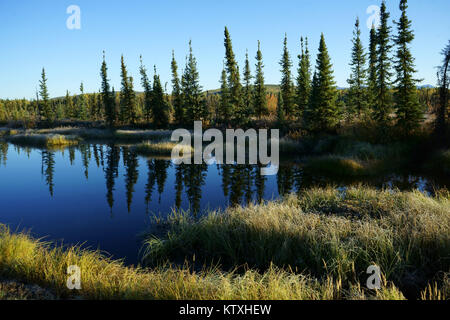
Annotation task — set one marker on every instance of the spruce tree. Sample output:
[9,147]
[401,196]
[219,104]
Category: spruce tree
[192,91]
[444,84]
[357,95]
[247,88]
[225,111]
[383,106]
[44,105]
[286,87]
[323,112]
[259,89]
[107,98]
[177,98]
[408,111]
[128,110]
[280,111]
[145,82]
[233,79]
[372,77]
[304,78]
[83,111]
[160,107]
[70,107]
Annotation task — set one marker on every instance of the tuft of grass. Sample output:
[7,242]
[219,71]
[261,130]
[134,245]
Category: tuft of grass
[44,140]
[324,233]
[149,148]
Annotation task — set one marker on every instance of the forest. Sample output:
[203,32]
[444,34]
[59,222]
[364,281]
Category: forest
[383,93]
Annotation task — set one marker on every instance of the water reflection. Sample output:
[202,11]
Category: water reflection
[240,184]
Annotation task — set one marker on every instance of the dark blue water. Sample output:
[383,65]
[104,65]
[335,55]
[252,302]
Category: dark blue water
[104,196]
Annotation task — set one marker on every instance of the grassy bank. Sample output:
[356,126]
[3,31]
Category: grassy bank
[324,233]
[33,261]
[317,246]
[36,136]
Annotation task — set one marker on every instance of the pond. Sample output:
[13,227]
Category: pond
[104,195]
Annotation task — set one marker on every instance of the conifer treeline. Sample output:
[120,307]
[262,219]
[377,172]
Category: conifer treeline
[382,87]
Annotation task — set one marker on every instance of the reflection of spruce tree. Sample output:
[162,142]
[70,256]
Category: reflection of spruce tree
[130,161]
[178,184]
[111,172]
[248,183]
[102,156]
[71,155]
[96,155]
[157,174]
[151,180]
[3,152]
[237,184]
[260,184]
[194,179]
[161,175]
[226,178]
[284,180]
[85,151]
[48,169]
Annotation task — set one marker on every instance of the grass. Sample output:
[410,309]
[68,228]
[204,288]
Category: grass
[34,261]
[44,140]
[149,148]
[325,234]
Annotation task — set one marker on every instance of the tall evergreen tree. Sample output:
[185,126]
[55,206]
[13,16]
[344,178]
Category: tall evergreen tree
[323,112]
[233,79]
[225,104]
[286,87]
[70,107]
[192,91]
[128,110]
[304,78]
[160,107]
[357,96]
[408,110]
[83,108]
[259,89]
[247,88]
[145,82]
[107,97]
[177,98]
[280,110]
[45,107]
[383,106]
[444,84]
[372,77]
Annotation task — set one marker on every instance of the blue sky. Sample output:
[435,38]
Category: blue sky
[33,34]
